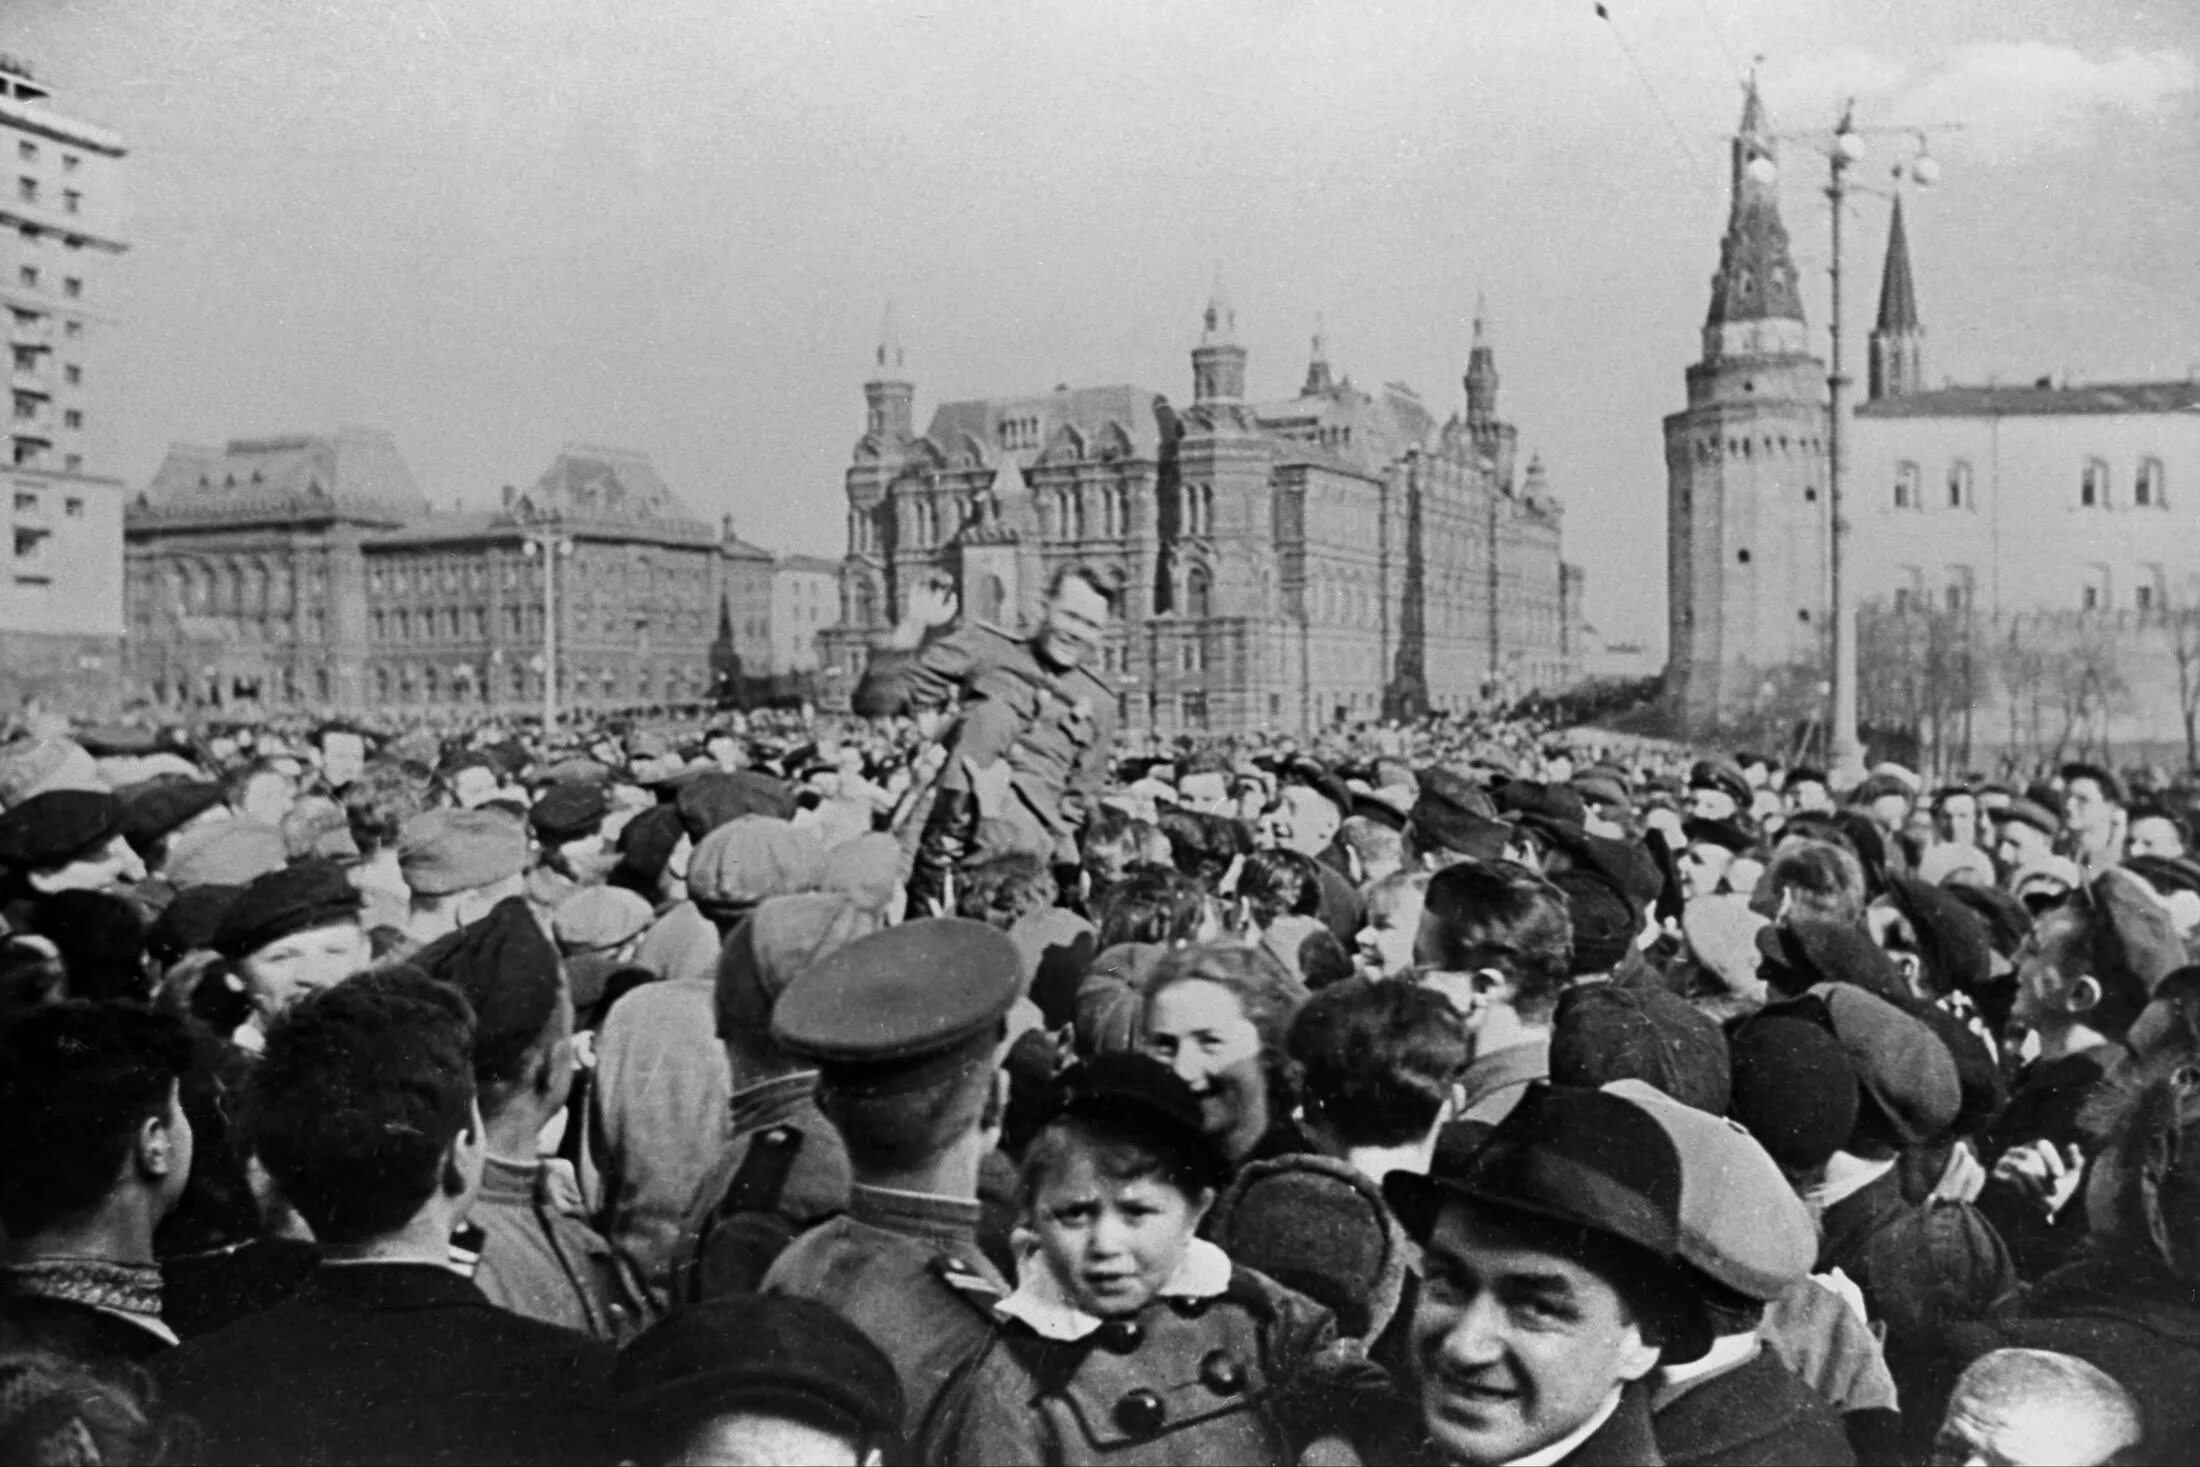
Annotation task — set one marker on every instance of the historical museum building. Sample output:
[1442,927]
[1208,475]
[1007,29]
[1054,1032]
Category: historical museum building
[1333,556]
[60,210]
[2027,544]
[310,572]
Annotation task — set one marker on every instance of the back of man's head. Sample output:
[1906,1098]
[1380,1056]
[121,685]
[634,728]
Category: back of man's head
[77,1081]
[1377,1060]
[1500,916]
[356,1100]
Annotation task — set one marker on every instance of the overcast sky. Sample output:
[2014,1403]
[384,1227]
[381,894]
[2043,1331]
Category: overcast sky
[493,226]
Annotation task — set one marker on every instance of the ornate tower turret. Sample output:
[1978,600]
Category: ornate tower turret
[1318,380]
[1898,340]
[890,396]
[1481,377]
[1218,362]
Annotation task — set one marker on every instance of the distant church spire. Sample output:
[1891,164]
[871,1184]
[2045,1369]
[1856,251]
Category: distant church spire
[1221,317]
[889,397]
[889,342]
[1898,340]
[1756,307]
[1318,380]
[1218,362]
[1481,379]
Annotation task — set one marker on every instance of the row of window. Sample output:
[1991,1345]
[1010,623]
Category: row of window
[472,573]
[26,189]
[2096,591]
[2149,488]
[30,277]
[26,151]
[463,684]
[27,364]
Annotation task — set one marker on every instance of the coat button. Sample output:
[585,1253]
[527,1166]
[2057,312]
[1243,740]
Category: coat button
[1121,1336]
[1221,1373]
[1141,1414]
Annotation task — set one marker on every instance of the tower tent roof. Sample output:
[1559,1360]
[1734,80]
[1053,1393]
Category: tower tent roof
[1756,278]
[1897,295]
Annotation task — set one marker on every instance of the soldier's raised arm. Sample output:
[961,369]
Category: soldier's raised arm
[908,674]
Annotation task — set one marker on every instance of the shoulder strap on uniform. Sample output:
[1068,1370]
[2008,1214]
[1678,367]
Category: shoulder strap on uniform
[740,1238]
[762,1178]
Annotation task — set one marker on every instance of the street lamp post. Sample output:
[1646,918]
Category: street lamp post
[550,547]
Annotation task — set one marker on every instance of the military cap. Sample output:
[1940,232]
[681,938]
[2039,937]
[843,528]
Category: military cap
[1603,1032]
[189,921]
[774,1354]
[509,973]
[38,766]
[1950,940]
[1911,1090]
[1742,1226]
[1807,774]
[155,807]
[443,851]
[1722,775]
[2112,788]
[1141,1093]
[903,1008]
[1583,1159]
[1722,833]
[1803,952]
[738,864]
[1451,813]
[230,853]
[2029,812]
[567,812]
[284,901]
[1605,922]
[784,936]
[1793,1088]
[57,827]
[711,800]
[599,917]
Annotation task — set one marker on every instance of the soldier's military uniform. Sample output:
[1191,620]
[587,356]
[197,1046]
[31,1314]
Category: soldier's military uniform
[915,1006]
[784,1171]
[539,1256]
[1055,729]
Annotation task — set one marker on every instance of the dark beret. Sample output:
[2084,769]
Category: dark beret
[1605,922]
[509,972]
[569,812]
[291,899]
[1138,1091]
[902,1008]
[2112,788]
[189,921]
[711,800]
[771,1353]
[1793,1088]
[57,827]
[1951,940]
[157,806]
[1603,1032]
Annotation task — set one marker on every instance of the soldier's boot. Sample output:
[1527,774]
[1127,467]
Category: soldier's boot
[948,831]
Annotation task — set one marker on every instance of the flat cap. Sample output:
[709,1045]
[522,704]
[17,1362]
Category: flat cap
[2028,812]
[1722,937]
[1803,952]
[1604,921]
[189,921]
[1584,1159]
[711,800]
[1555,802]
[1950,864]
[1950,939]
[1742,1225]
[576,771]
[768,1353]
[1625,863]
[2112,788]
[867,868]
[36,766]
[57,827]
[287,900]
[785,936]
[569,812]
[2135,944]
[738,864]
[2005,919]
[1793,1088]
[509,973]
[1722,775]
[1452,813]
[442,851]
[905,1007]
[228,854]
[155,807]
[1603,1032]
[1911,1091]
[599,917]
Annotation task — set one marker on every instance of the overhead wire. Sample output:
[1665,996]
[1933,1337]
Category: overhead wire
[1680,139]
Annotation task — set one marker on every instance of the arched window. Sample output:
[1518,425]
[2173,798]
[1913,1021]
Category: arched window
[1906,486]
[1076,515]
[2093,485]
[2147,488]
[1198,593]
[1959,485]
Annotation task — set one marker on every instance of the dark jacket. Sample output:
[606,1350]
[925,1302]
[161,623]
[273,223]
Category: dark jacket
[393,1362]
[95,1336]
[2132,1318]
[2044,1106]
[1624,1440]
[1754,1415]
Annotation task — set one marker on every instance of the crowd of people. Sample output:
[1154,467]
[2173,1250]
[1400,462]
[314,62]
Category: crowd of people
[958,1083]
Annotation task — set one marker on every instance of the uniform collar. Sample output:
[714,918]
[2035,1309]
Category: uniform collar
[504,1180]
[920,1214]
[772,1102]
[1041,1302]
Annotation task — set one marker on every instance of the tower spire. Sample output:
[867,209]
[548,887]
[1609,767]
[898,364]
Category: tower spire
[1481,379]
[1218,362]
[1221,317]
[1898,339]
[1756,308]
[889,397]
[889,342]
[1318,379]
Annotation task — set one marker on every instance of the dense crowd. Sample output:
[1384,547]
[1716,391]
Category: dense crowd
[962,1083]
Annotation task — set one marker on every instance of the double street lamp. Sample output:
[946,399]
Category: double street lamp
[1843,151]
[550,547]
